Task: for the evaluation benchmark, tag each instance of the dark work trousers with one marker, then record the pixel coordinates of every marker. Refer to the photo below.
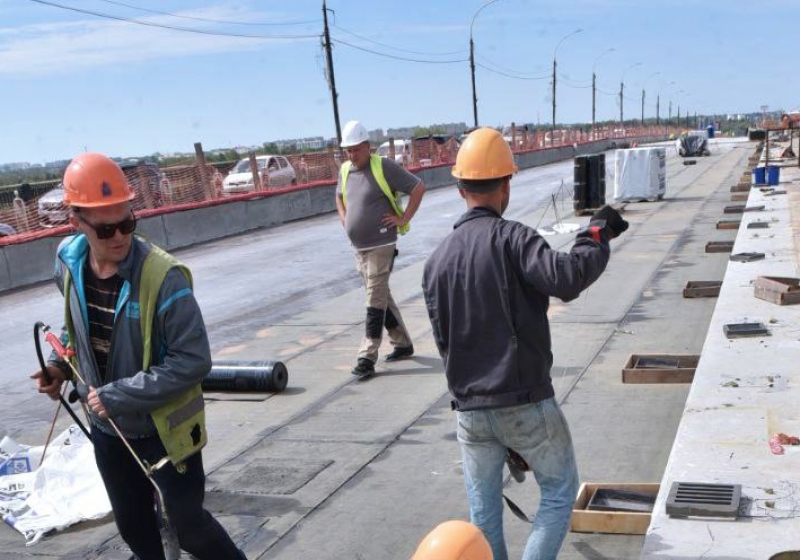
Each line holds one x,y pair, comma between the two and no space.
132,498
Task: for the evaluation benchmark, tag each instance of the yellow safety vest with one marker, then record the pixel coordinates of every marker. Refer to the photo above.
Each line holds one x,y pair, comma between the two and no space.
376,167
181,422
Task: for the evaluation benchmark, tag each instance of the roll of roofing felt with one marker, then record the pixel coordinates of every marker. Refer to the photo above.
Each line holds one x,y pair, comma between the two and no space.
247,376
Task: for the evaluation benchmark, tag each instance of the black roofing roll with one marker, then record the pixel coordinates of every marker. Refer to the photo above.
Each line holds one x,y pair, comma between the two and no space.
255,376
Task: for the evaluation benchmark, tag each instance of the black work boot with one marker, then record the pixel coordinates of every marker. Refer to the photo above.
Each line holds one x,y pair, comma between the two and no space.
364,368
400,353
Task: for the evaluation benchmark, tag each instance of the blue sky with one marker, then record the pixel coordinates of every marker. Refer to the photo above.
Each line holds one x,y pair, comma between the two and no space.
74,81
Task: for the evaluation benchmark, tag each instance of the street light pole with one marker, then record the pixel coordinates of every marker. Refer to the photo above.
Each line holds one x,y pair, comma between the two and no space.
594,87
622,93
555,51
658,101
643,86
472,63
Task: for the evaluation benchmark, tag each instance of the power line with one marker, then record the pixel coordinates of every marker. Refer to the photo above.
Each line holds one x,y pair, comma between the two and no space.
462,51
507,75
516,73
337,40
228,22
576,85
171,27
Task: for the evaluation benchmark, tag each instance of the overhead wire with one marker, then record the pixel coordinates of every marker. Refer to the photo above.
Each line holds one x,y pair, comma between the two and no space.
171,27
511,73
396,57
384,45
210,20
507,75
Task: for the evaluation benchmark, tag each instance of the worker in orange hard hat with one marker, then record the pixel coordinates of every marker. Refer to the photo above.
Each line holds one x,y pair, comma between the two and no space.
487,289
454,540
142,350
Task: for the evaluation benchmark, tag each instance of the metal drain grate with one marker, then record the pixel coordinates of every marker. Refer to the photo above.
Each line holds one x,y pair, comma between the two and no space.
707,500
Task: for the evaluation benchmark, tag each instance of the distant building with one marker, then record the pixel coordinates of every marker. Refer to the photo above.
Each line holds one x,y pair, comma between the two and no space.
15,166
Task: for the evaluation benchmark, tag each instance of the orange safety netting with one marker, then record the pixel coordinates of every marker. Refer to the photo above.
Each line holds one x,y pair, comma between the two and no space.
32,211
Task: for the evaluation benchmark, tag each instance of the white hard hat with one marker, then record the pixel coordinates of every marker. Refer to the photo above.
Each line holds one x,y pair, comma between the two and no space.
354,134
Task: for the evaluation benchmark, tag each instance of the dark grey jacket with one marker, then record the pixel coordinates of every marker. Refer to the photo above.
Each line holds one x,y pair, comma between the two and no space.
487,290
181,354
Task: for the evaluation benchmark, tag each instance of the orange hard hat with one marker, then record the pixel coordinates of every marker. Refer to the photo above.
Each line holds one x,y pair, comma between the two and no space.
92,180
454,540
484,155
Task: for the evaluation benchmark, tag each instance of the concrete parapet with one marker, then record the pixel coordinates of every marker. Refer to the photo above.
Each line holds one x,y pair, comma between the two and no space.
27,263
5,273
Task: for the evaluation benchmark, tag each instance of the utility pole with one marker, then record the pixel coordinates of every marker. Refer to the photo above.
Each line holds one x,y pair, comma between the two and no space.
331,77
553,126
594,100
658,106
621,90
642,106
472,69
669,121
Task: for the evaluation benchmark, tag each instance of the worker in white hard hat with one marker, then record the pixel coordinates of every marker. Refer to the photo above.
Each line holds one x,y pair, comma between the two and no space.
487,289
368,202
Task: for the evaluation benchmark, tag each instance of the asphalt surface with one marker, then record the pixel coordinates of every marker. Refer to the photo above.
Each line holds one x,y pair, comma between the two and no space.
248,282
335,468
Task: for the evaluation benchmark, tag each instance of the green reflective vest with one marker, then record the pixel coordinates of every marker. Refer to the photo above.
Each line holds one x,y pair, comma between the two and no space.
181,422
376,167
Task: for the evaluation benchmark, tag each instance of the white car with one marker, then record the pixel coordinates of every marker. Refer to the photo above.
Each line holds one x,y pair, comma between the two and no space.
275,171
51,209
402,151
6,230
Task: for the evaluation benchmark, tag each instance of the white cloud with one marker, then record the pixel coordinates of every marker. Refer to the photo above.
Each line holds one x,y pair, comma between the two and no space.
57,48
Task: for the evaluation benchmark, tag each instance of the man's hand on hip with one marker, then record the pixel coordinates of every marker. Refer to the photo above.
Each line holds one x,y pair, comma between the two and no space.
393,220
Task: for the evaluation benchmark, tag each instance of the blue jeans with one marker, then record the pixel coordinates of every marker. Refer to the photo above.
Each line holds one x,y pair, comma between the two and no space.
132,499
539,433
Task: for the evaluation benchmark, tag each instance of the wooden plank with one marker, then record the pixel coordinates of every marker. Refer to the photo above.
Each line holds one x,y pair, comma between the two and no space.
622,522
728,224
683,373
702,288
739,196
719,246
778,290
734,209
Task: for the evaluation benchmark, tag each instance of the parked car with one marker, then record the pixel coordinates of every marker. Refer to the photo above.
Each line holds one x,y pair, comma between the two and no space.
275,171
143,174
7,230
402,151
51,209
140,175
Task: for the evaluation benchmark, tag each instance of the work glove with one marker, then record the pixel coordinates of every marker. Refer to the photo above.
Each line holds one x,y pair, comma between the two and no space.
614,223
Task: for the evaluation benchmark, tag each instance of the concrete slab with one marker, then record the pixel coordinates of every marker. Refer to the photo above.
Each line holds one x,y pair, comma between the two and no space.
743,394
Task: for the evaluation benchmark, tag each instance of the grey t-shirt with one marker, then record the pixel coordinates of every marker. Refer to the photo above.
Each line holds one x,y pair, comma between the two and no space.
366,204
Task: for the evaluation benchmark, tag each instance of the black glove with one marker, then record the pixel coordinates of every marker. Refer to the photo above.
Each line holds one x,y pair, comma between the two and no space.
614,222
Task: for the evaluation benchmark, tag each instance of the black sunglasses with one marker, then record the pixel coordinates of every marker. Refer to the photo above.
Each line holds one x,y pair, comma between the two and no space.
107,231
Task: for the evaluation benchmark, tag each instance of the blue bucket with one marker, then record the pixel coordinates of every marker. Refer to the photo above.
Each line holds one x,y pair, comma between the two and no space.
773,175
760,176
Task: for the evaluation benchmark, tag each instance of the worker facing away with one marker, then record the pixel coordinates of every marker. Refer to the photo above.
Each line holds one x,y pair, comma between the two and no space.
487,288
368,202
141,346
454,540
